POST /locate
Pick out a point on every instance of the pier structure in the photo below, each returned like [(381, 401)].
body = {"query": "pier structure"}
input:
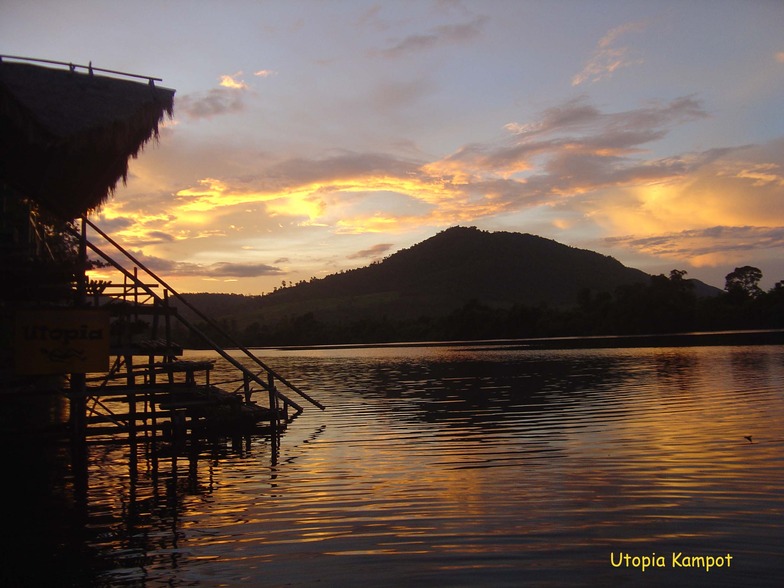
[(93, 364), (68, 132), (154, 386)]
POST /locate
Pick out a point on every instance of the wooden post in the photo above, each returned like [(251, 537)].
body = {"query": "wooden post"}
[(246, 387), (153, 414), (136, 289), (167, 325), (130, 379), (179, 428), (132, 418), (273, 403), (78, 388)]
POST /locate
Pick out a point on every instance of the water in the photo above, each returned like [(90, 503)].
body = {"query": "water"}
[(460, 466)]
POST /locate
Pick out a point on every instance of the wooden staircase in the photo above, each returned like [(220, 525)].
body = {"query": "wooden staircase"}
[(149, 386)]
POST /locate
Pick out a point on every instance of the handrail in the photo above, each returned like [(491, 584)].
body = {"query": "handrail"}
[(269, 386), (89, 68), (217, 348), (204, 317)]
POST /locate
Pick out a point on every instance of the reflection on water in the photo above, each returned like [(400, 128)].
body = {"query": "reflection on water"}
[(463, 466)]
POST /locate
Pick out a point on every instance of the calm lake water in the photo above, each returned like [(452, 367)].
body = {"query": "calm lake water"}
[(451, 466)]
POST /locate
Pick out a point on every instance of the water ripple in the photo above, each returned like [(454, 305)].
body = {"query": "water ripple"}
[(463, 467)]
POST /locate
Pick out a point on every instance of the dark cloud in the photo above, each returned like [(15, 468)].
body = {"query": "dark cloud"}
[(115, 224), (577, 130), (372, 252), (215, 102), (574, 114), (576, 147), (160, 236), (712, 240), (223, 269), (578, 115), (440, 35), (226, 269), (392, 96)]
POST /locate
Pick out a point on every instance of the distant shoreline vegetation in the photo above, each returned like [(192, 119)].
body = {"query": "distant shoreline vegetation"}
[(465, 284), (703, 339), (665, 305)]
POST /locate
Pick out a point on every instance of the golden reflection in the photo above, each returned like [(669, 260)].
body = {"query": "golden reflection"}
[(645, 448), (701, 438)]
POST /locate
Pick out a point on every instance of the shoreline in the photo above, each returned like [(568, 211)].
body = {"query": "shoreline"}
[(697, 339)]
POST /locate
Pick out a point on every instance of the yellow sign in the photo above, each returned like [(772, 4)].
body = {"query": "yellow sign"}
[(61, 341)]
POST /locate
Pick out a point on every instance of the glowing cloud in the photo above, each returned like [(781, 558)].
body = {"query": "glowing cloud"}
[(232, 81), (570, 150), (591, 169), (709, 247), (373, 224)]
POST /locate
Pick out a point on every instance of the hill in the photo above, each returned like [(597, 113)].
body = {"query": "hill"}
[(427, 282), (452, 268)]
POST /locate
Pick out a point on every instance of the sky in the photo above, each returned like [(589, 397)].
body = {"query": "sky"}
[(311, 137)]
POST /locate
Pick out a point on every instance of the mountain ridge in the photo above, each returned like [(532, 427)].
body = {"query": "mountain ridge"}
[(446, 271)]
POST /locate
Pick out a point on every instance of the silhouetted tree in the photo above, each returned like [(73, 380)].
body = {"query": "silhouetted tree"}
[(743, 283), (663, 305), (676, 275)]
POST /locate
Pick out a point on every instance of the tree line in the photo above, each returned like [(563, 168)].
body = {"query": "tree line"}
[(666, 304)]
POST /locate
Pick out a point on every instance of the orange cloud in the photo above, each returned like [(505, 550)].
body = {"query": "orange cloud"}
[(589, 168), (373, 224), (740, 188), (709, 247), (232, 81), (312, 200), (717, 258)]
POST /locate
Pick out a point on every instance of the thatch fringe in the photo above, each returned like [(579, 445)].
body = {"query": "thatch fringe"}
[(66, 137)]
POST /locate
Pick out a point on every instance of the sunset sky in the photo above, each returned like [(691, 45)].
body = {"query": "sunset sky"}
[(315, 136)]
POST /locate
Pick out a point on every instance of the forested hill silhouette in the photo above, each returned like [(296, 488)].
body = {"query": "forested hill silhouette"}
[(419, 291), (461, 264)]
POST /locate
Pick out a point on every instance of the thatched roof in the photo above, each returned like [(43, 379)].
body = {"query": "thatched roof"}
[(66, 136)]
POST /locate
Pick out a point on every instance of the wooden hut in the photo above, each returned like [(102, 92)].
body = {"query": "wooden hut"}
[(67, 133)]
